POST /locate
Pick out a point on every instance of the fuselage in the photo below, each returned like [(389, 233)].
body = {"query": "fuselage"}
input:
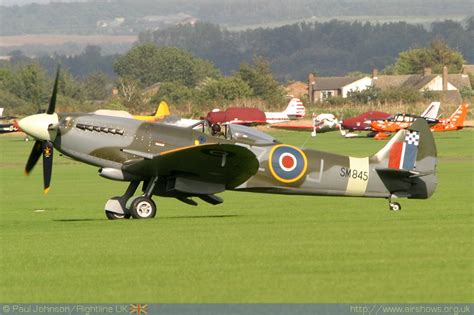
[(109, 142), (397, 122), (362, 122)]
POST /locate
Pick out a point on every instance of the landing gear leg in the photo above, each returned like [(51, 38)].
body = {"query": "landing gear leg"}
[(394, 206), (143, 207), (116, 208)]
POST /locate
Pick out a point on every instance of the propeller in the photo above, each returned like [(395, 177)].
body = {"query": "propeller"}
[(44, 128)]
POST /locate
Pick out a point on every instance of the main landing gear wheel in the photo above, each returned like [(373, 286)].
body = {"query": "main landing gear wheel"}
[(395, 206), (143, 208), (116, 216)]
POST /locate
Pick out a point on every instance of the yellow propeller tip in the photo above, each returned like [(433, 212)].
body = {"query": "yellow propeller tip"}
[(46, 190), (26, 173)]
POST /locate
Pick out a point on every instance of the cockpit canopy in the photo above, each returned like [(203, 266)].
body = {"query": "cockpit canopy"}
[(249, 135)]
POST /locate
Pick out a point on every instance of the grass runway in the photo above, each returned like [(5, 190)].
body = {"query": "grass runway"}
[(253, 248)]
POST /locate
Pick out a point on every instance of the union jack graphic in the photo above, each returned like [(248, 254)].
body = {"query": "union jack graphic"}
[(139, 309)]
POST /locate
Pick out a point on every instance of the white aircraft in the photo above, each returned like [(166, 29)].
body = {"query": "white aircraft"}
[(431, 111), (294, 110), (324, 123)]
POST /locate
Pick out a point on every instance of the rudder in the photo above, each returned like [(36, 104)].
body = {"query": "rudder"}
[(410, 157)]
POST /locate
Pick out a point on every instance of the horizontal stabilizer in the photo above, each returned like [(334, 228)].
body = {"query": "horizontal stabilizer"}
[(400, 173)]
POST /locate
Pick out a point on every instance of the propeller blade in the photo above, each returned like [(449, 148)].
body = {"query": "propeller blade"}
[(34, 156), (47, 164), (52, 101)]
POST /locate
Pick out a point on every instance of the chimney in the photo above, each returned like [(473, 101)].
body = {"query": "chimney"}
[(311, 82), (375, 74), (426, 72), (445, 78)]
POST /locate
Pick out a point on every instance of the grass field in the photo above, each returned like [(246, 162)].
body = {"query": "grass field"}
[(252, 248)]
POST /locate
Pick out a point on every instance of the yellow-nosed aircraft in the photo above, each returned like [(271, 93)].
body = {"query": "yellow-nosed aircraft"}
[(162, 111)]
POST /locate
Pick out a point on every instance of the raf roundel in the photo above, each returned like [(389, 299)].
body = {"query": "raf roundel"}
[(287, 164)]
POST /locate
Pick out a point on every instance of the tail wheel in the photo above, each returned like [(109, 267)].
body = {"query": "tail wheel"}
[(143, 208), (116, 216), (395, 206)]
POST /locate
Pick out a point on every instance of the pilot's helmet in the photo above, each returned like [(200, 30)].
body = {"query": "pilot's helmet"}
[(216, 128)]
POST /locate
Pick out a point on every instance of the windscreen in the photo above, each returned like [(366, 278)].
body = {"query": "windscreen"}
[(249, 135)]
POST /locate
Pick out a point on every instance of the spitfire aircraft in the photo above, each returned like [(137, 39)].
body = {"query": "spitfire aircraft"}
[(184, 163)]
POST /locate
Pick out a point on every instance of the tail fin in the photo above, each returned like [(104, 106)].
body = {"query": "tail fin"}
[(295, 108), (458, 117), (162, 110), (407, 163), (431, 111)]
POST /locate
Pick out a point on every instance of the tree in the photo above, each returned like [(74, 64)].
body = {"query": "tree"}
[(174, 93), (260, 79), (435, 57), (32, 85), (6, 79), (95, 86), (470, 24), (149, 64), (226, 88), (69, 87)]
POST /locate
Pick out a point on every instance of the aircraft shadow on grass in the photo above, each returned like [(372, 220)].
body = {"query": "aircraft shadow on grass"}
[(218, 216), (75, 220)]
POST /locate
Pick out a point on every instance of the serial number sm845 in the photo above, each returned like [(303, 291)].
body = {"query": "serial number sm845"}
[(355, 174)]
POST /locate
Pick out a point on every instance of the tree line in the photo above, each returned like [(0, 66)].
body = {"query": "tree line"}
[(188, 81), (184, 80), (331, 48)]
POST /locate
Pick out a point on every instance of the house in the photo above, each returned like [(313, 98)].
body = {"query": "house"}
[(467, 69), (297, 89), (423, 82), (324, 87)]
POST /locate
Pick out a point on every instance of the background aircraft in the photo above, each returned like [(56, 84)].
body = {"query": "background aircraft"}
[(163, 115), (294, 110), (384, 127), (362, 121), (7, 127), (455, 122), (325, 123), (162, 111), (319, 123), (237, 115), (183, 163), (253, 116)]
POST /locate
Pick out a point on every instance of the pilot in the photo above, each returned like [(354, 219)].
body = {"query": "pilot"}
[(216, 130)]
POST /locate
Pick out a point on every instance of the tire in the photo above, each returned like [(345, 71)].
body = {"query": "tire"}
[(395, 206), (116, 216), (143, 208)]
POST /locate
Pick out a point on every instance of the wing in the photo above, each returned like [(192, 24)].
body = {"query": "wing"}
[(226, 164)]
